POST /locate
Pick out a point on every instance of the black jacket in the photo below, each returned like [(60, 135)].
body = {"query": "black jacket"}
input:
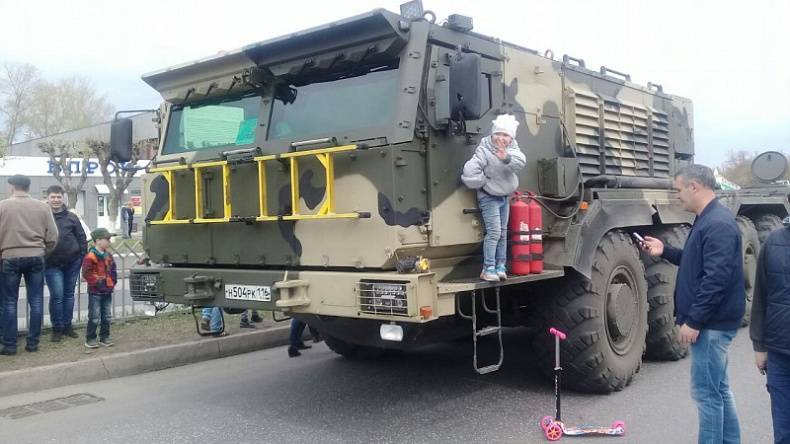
[(127, 215), (770, 329), (72, 242), (709, 292)]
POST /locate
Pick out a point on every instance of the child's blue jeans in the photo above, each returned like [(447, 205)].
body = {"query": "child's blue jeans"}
[(495, 210), (99, 313)]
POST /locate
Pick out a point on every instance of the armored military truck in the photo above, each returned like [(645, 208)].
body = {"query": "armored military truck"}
[(317, 175)]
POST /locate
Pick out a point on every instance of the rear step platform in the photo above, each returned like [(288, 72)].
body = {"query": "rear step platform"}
[(475, 283)]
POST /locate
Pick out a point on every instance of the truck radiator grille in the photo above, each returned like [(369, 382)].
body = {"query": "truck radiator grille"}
[(388, 298), (660, 144), (144, 286), (621, 138)]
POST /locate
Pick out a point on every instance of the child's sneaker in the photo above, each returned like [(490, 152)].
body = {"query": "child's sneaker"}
[(91, 343), (106, 342), (489, 274), (501, 272)]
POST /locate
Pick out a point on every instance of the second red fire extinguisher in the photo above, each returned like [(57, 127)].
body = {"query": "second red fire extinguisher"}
[(535, 237)]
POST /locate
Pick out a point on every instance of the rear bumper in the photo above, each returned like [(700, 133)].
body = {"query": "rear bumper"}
[(342, 294), (366, 331)]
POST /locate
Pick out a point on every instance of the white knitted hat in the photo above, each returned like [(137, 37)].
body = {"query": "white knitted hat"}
[(505, 123)]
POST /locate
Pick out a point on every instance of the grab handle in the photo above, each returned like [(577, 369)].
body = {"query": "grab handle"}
[(557, 333)]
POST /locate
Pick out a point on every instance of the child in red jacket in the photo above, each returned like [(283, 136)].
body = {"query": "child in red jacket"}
[(98, 269)]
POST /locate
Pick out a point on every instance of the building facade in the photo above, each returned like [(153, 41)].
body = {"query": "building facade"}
[(93, 201)]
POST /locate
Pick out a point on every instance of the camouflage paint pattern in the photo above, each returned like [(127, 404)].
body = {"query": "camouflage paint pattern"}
[(409, 177)]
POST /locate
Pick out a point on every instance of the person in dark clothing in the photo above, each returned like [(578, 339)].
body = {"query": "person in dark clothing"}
[(127, 220), (770, 328), (63, 265), (709, 299), (295, 342)]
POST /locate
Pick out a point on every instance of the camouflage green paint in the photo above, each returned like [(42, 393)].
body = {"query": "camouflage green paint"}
[(409, 179)]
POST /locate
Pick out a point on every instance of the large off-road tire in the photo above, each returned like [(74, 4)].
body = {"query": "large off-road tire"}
[(750, 249), (605, 318), (765, 224), (352, 351), (662, 343)]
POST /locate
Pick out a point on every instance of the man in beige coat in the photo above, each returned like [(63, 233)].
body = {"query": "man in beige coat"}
[(27, 234)]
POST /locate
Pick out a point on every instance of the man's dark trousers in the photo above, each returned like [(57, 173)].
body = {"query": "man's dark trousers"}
[(32, 268)]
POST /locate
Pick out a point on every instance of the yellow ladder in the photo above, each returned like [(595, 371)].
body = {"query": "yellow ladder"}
[(327, 211)]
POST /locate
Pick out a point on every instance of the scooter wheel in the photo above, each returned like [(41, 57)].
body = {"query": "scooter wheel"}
[(619, 425), (553, 431), (546, 421)]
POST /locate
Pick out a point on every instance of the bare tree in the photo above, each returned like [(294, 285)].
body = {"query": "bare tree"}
[(67, 104), (118, 177), (16, 87), (61, 155)]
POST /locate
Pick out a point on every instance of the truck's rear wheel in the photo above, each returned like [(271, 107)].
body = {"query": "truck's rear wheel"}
[(605, 319), (662, 343), (352, 351), (765, 224), (750, 248)]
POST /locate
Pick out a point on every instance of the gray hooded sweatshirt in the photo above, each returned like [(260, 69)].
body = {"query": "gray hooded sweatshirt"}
[(489, 174)]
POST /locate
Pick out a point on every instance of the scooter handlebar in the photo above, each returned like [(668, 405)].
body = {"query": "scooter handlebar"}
[(557, 333)]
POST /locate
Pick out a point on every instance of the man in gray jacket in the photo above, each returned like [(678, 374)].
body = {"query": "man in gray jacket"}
[(27, 233)]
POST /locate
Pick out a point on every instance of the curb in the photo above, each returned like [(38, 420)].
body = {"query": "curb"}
[(139, 361)]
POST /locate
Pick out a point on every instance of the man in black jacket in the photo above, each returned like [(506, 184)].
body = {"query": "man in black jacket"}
[(709, 299), (63, 265), (770, 329)]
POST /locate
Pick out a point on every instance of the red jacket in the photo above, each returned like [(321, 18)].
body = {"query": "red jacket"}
[(99, 271)]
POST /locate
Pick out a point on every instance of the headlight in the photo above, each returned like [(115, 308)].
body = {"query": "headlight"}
[(391, 332), (386, 298)]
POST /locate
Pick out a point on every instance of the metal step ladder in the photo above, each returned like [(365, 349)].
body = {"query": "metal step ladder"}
[(484, 331)]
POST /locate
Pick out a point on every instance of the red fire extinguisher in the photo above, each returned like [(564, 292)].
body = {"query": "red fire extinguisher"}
[(535, 236), (519, 239)]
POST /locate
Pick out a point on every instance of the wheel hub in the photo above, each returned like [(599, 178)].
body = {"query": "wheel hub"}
[(621, 310)]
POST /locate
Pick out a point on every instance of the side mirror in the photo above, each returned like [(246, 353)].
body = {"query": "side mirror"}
[(121, 140), (465, 85)]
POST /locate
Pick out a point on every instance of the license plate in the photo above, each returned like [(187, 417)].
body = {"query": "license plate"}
[(248, 292)]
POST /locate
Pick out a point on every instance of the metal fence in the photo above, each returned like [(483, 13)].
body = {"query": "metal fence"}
[(126, 254)]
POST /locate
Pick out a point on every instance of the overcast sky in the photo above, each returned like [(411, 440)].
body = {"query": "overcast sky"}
[(732, 58)]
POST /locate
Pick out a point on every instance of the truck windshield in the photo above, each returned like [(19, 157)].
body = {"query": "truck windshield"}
[(331, 107), (211, 125)]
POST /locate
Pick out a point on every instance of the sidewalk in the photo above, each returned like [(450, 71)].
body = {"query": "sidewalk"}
[(141, 345)]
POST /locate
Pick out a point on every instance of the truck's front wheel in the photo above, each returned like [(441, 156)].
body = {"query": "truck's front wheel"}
[(605, 318), (662, 341)]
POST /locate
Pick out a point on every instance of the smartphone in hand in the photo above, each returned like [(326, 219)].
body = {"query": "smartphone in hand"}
[(639, 239)]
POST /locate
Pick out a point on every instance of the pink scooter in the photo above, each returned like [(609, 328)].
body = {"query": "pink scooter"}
[(554, 428)]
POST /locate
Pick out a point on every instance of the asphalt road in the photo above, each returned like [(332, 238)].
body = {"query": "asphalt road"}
[(427, 396)]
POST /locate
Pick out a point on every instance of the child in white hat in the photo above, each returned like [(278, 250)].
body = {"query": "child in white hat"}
[(492, 172)]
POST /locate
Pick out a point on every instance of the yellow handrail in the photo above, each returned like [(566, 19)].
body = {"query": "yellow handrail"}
[(327, 211)]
